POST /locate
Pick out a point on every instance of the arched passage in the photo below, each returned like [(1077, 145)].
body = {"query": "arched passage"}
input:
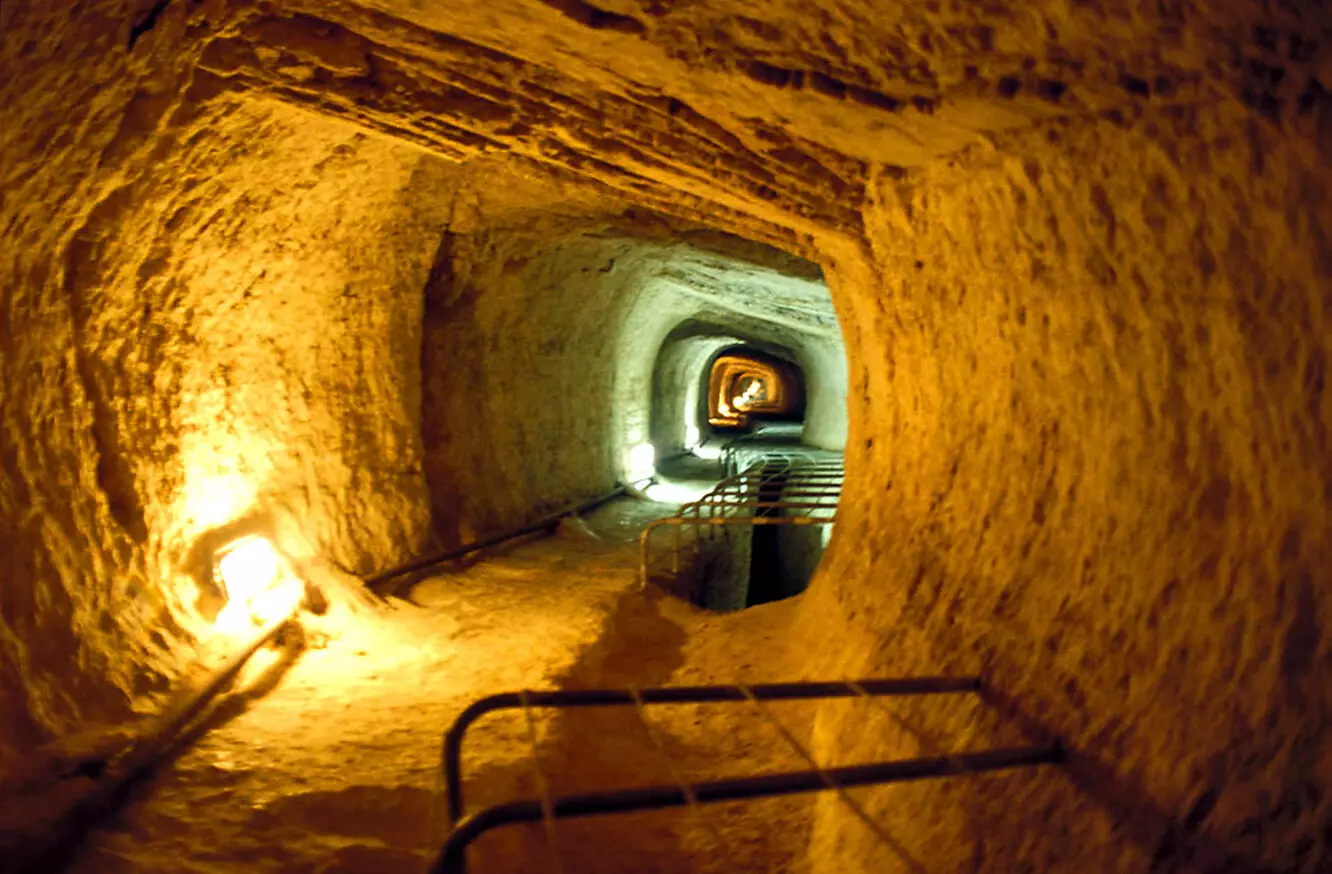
[(746, 387), (1080, 255)]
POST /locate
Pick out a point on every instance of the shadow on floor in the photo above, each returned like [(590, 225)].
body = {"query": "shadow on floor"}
[(129, 782), (592, 749)]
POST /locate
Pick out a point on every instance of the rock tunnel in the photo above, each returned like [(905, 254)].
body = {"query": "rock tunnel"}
[(381, 278)]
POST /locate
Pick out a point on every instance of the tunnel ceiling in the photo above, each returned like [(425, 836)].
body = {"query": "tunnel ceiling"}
[(744, 292), (763, 125)]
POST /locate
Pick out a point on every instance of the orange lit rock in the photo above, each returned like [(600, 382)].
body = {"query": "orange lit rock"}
[(1080, 259)]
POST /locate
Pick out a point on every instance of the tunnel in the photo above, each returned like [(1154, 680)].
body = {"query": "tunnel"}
[(349, 349)]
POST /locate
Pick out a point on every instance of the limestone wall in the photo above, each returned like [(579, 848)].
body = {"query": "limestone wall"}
[(519, 365), (1087, 450), (211, 311), (1091, 463), (679, 399)]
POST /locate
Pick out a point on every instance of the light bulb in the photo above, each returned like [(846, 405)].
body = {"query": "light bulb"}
[(249, 569), (642, 461)]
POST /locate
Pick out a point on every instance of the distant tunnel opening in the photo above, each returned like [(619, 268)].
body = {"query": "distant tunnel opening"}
[(747, 387), (741, 408)]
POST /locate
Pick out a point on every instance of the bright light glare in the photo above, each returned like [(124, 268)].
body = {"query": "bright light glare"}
[(249, 568), (692, 436), (676, 492), (234, 619), (642, 462), (741, 401), (257, 589), (277, 602)]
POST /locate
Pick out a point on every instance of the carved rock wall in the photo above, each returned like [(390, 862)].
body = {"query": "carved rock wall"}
[(211, 311), (1090, 462), (1086, 338)]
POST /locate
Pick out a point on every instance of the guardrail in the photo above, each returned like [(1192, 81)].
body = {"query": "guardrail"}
[(546, 522), (464, 829), (782, 489)]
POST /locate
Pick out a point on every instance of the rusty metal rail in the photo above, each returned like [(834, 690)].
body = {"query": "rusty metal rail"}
[(782, 489), (545, 523), (465, 829)]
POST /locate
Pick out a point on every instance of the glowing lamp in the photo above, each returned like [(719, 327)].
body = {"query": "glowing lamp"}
[(752, 390), (248, 568), (257, 589), (642, 462)]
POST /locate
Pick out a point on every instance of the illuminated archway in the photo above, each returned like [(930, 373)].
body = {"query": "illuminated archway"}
[(742, 386)]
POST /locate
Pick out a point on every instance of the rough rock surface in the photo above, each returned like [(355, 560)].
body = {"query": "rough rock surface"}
[(1080, 258), (1091, 464), (217, 320), (541, 341)]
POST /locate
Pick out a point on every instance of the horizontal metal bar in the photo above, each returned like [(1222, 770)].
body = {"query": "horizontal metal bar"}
[(792, 473), (786, 492), (753, 509), (795, 467), (760, 467), (453, 738), (754, 502), (723, 501), (728, 488), (451, 858), (792, 485), (822, 476), (676, 522), (742, 518), (796, 470), (777, 485), (485, 543), (768, 509), (732, 500)]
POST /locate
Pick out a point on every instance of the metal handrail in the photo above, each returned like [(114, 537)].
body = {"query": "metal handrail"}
[(757, 496), (544, 523), (644, 562), (465, 830)]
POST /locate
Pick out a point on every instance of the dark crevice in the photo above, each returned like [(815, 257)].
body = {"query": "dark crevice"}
[(1051, 90), (830, 86), (148, 22), (597, 19), (1135, 86)]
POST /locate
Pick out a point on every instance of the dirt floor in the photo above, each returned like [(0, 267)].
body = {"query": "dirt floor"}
[(336, 769)]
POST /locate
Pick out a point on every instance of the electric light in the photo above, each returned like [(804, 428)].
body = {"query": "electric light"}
[(257, 589), (642, 462), (740, 385), (692, 436), (752, 390), (248, 567)]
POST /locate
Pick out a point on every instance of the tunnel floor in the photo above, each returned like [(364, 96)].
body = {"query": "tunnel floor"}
[(335, 769)]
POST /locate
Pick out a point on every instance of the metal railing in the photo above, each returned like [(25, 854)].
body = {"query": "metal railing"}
[(545, 523), (743, 452), (784, 488), (465, 829)]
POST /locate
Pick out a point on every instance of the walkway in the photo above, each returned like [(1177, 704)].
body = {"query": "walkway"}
[(335, 769)]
